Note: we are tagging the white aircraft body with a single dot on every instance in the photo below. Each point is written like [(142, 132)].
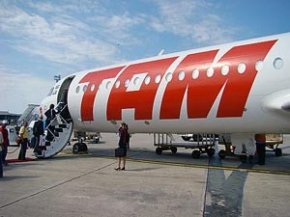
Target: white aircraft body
[(240, 88)]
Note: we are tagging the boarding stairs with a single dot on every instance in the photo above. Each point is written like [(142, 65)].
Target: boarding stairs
[(57, 136)]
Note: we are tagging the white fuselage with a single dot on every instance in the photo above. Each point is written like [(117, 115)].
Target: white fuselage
[(241, 87)]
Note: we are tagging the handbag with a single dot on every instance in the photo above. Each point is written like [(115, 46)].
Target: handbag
[(119, 152), (18, 140)]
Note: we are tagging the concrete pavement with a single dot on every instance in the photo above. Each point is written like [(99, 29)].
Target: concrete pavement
[(152, 185)]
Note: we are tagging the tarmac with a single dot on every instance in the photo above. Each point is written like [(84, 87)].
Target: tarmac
[(74, 185)]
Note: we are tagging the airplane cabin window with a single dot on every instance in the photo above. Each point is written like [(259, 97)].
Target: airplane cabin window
[(181, 75), (117, 84), (225, 70), (136, 81), (278, 63), (50, 92), (195, 73), (241, 68), (93, 87), (147, 80), (54, 91), (108, 84), (157, 79), (85, 88), (168, 77), (78, 89), (259, 65), (210, 72)]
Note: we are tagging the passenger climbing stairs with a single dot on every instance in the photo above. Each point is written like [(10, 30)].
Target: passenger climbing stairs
[(57, 136)]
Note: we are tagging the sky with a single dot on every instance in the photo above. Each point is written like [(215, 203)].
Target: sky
[(41, 39)]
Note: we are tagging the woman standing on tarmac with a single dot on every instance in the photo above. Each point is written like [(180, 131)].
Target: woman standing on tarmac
[(123, 144)]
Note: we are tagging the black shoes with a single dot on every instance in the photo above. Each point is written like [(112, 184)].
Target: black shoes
[(117, 169)]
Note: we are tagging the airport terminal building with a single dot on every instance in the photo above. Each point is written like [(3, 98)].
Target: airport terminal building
[(11, 118)]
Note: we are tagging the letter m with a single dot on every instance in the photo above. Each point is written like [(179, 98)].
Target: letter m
[(203, 91)]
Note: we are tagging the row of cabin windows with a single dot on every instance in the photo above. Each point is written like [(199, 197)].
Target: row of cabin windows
[(225, 69)]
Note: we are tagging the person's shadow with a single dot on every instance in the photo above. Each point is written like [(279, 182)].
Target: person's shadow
[(224, 194)]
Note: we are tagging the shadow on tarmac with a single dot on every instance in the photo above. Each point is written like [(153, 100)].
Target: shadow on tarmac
[(10, 178), (224, 194), (143, 169)]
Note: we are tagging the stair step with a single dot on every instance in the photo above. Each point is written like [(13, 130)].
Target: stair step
[(62, 125), (56, 138), (39, 150), (49, 137), (59, 130)]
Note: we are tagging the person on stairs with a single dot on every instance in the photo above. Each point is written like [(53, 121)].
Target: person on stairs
[(50, 116)]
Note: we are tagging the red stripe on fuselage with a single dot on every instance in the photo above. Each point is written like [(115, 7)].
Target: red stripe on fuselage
[(203, 91), (175, 90), (141, 100), (88, 100), (238, 86)]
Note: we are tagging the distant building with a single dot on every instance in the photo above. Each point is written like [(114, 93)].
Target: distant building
[(11, 118)]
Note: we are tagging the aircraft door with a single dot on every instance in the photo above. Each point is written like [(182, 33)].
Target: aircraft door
[(62, 99)]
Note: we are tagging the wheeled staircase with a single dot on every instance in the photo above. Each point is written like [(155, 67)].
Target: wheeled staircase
[(59, 136)]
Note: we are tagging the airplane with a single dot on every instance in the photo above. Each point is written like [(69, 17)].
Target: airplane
[(239, 89)]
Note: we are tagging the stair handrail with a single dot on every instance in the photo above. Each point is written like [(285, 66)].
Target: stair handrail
[(28, 114)]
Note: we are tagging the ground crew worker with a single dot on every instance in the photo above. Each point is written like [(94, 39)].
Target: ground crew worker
[(261, 148)]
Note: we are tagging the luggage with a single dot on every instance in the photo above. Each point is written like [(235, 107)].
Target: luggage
[(18, 140), (120, 152)]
